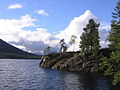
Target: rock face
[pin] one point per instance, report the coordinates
(69, 62)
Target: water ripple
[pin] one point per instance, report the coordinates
(27, 75)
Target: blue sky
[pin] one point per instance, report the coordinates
(32, 25)
(61, 12)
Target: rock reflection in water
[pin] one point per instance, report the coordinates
(27, 75)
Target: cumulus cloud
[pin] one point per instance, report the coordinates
(103, 33)
(76, 28)
(42, 12)
(15, 6)
(14, 31)
(30, 46)
(20, 47)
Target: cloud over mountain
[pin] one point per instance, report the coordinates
(18, 33)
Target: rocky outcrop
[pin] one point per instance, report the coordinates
(69, 62)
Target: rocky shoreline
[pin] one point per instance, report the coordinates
(69, 61)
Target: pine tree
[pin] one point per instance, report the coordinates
(63, 47)
(111, 65)
(90, 38)
(114, 37)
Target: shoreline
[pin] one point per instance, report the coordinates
(69, 62)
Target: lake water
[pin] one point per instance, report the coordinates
(16, 74)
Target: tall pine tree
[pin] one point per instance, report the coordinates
(90, 38)
(114, 37)
(111, 65)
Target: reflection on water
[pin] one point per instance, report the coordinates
(27, 75)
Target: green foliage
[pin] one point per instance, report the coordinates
(90, 38)
(111, 65)
(114, 36)
(89, 43)
(63, 46)
(72, 41)
(116, 78)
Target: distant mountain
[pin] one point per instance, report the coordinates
(9, 51)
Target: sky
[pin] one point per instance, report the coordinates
(32, 25)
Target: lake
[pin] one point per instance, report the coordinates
(25, 74)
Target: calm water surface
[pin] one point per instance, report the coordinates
(16, 74)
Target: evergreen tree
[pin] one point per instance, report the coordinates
(111, 65)
(63, 46)
(90, 38)
(114, 37)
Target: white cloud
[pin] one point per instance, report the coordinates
(107, 27)
(76, 28)
(38, 35)
(14, 31)
(20, 47)
(40, 29)
(42, 12)
(103, 33)
(15, 6)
